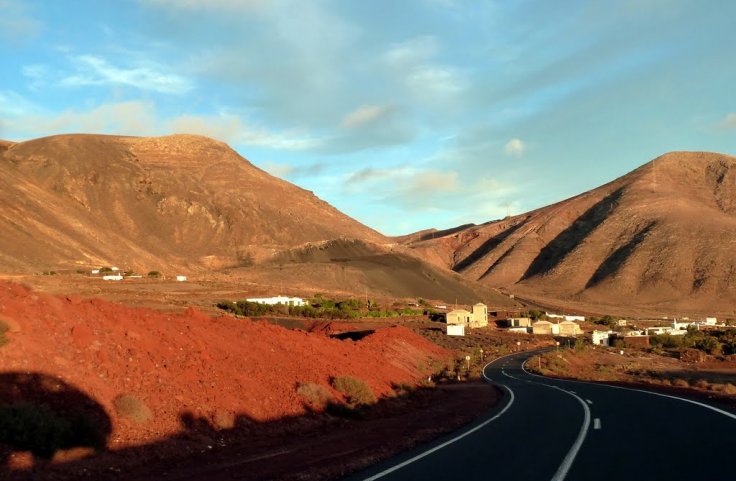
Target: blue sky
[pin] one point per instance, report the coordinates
(403, 114)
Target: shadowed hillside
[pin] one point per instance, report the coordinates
(660, 236)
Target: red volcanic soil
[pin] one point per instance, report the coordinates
(190, 367)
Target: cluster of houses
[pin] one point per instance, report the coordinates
(567, 326)
(459, 319)
(115, 274)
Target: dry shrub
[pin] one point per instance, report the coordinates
(679, 382)
(356, 391)
(316, 396)
(223, 420)
(727, 388)
(4, 328)
(131, 408)
(702, 384)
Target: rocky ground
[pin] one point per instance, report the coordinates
(184, 394)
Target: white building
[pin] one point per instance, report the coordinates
(565, 317)
(601, 338)
(112, 277)
(456, 329)
(181, 278)
(272, 301)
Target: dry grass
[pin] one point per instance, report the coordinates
(356, 391)
(316, 396)
(130, 407)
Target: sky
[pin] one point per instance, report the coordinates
(404, 114)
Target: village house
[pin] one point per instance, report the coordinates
(545, 327)
(459, 317)
(272, 301)
(601, 338)
(569, 329)
(477, 318)
(518, 322)
(480, 315)
(565, 317)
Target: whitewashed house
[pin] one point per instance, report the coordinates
(272, 301)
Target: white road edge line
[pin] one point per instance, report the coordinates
(449, 441)
(703, 405)
(570, 458)
(597, 423)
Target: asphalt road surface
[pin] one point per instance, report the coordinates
(545, 429)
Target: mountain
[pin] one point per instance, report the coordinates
(661, 237)
(190, 204)
(187, 201)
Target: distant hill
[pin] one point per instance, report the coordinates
(185, 203)
(662, 236)
(77, 200)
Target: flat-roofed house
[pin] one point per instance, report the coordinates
(459, 316)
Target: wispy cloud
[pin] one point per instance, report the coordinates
(95, 70)
(231, 5)
(366, 114)
(729, 122)
(515, 147)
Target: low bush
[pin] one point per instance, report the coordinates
(154, 274)
(4, 328)
(316, 396)
(356, 391)
(132, 408)
(679, 382)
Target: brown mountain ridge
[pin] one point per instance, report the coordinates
(660, 237)
(190, 204)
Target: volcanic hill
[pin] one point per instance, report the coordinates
(190, 204)
(183, 200)
(660, 237)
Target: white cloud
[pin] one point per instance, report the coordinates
(515, 147)
(207, 4)
(412, 52)
(433, 80)
(433, 181)
(26, 120)
(365, 114)
(94, 70)
(729, 121)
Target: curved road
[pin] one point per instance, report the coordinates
(546, 429)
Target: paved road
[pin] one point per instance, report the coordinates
(548, 429)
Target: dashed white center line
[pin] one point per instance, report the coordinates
(597, 423)
(589, 401)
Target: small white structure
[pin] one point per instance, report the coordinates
(621, 322)
(565, 317)
(711, 321)
(456, 329)
(181, 278)
(601, 338)
(94, 271)
(272, 301)
(522, 330)
(114, 269)
(112, 277)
